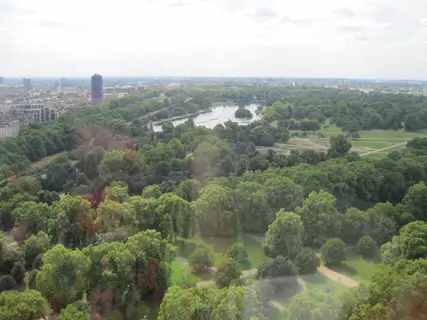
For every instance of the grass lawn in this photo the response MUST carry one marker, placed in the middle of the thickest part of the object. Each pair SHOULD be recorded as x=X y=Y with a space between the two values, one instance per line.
x=181 y=273
x=315 y=283
x=219 y=246
x=255 y=252
x=374 y=144
x=391 y=134
x=358 y=268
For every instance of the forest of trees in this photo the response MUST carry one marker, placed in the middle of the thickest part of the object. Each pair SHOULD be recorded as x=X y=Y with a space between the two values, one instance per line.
x=96 y=229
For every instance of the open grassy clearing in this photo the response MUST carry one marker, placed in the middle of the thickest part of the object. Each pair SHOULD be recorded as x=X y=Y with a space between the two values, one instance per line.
x=358 y=268
x=319 y=283
x=219 y=246
x=182 y=273
x=315 y=283
x=369 y=141
x=255 y=252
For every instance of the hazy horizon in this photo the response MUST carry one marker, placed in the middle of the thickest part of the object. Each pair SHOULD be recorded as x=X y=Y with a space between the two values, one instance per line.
x=353 y=39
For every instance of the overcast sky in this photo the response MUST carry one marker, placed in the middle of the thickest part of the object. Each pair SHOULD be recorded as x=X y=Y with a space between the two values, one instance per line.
x=278 y=38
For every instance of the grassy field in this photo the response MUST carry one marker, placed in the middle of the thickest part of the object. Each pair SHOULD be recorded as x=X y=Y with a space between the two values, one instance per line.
x=254 y=251
x=315 y=283
x=182 y=273
x=358 y=268
x=369 y=141
x=219 y=246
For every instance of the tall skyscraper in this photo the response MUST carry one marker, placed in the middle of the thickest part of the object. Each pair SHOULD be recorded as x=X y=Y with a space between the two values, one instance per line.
x=26 y=82
x=97 y=89
x=1 y=80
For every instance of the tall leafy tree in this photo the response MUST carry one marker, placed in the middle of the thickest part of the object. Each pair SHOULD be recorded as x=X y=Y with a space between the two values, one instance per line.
x=63 y=276
x=27 y=305
x=416 y=201
x=283 y=237
x=181 y=214
x=320 y=218
x=216 y=212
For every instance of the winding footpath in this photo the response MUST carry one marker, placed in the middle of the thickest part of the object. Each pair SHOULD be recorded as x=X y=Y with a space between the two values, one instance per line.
x=245 y=273
x=383 y=149
x=323 y=270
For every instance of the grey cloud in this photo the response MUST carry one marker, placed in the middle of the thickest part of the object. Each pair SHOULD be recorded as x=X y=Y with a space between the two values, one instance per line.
x=263 y=13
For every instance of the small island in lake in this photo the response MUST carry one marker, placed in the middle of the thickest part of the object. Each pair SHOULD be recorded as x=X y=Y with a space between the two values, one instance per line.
x=243 y=113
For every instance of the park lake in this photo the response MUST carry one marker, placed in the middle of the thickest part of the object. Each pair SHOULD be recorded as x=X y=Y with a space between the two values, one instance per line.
x=217 y=115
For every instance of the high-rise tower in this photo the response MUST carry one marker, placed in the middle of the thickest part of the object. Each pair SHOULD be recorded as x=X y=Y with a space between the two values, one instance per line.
x=97 y=90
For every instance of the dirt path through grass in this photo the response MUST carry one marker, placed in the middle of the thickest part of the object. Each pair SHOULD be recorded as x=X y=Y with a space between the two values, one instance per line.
x=314 y=144
x=383 y=149
x=337 y=277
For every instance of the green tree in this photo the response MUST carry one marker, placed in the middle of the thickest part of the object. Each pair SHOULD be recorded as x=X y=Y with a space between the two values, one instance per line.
x=416 y=201
x=7 y=283
x=189 y=190
x=152 y=191
x=112 y=215
x=34 y=216
x=35 y=246
x=333 y=252
x=354 y=225
x=283 y=237
x=282 y=271
x=91 y=165
x=339 y=146
x=18 y=273
x=397 y=293
x=75 y=222
x=228 y=273
x=216 y=212
x=118 y=193
x=314 y=305
x=367 y=247
x=411 y=243
x=180 y=213
x=63 y=276
x=307 y=261
x=75 y=311
x=27 y=305
x=200 y=260
x=253 y=208
x=283 y=193
x=210 y=303
x=237 y=252
x=320 y=218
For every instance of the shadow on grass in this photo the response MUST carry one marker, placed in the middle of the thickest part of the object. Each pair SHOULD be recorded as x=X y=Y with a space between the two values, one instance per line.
x=204 y=275
x=344 y=269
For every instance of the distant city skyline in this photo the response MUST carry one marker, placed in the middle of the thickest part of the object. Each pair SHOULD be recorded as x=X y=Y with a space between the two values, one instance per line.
x=250 y=38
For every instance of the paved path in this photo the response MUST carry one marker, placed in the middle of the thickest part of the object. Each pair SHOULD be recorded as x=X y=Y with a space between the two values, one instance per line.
x=383 y=149
x=245 y=273
x=337 y=277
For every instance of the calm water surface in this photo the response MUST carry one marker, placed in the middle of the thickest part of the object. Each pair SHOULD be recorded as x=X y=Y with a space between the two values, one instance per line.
x=218 y=115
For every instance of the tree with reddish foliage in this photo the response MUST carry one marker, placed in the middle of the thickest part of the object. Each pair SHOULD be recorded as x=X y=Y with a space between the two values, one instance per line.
x=95 y=198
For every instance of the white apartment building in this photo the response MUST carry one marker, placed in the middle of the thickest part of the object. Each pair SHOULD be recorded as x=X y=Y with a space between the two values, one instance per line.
x=9 y=129
x=39 y=113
